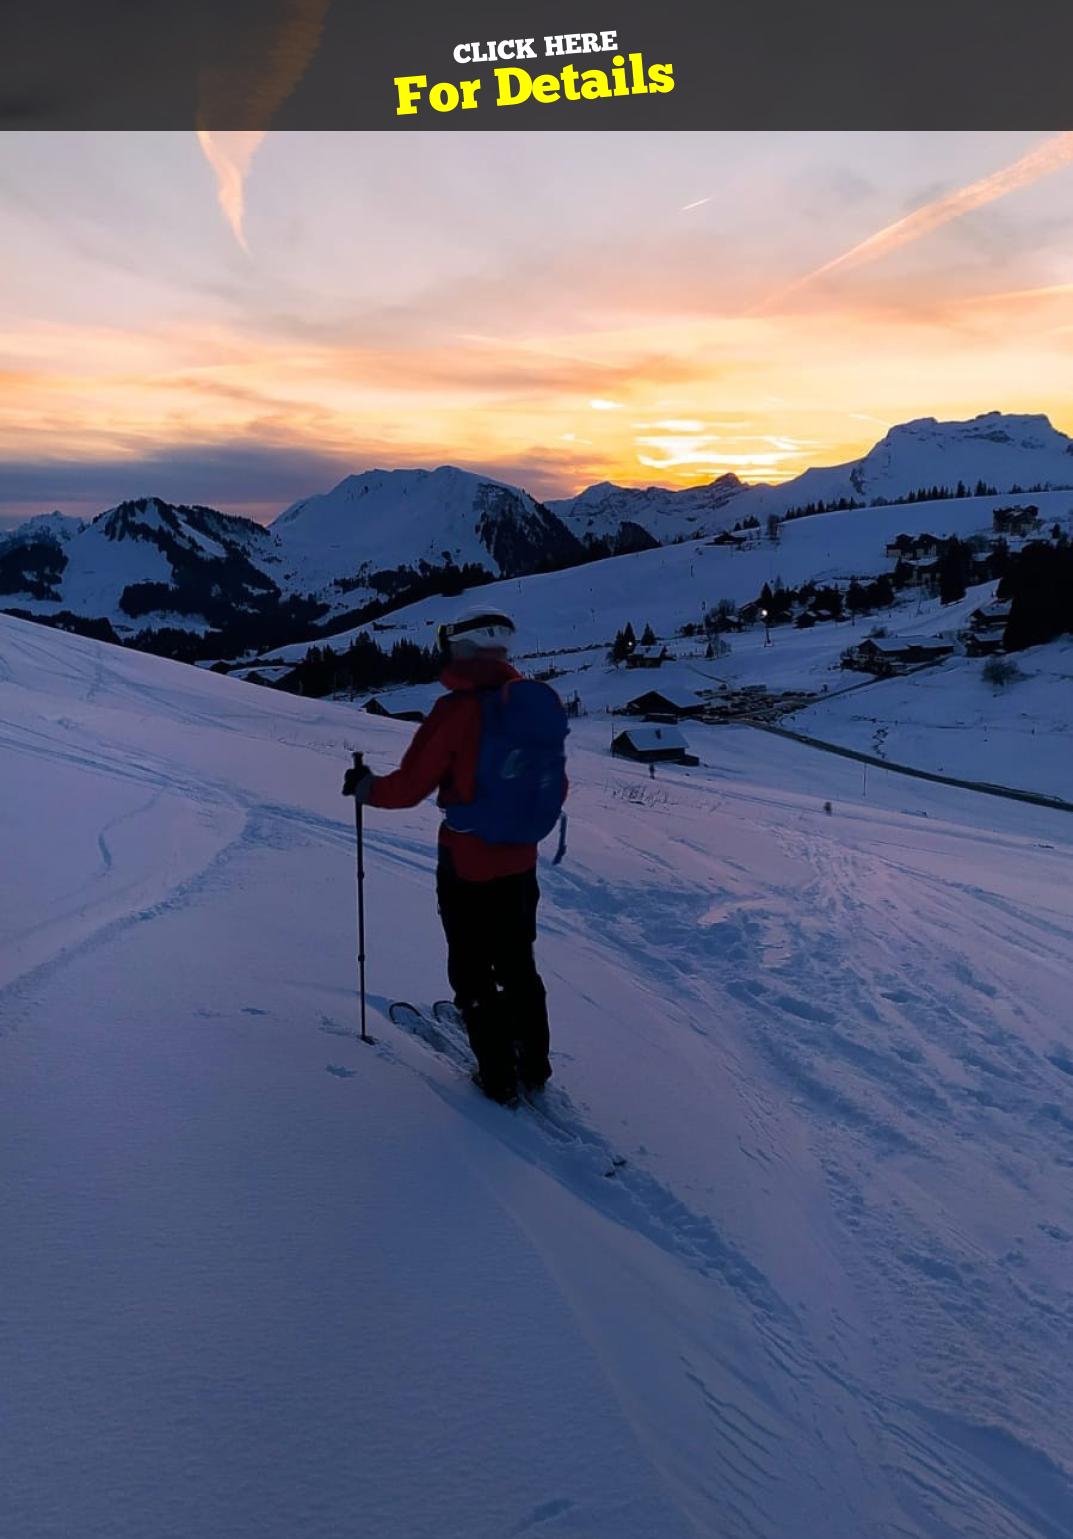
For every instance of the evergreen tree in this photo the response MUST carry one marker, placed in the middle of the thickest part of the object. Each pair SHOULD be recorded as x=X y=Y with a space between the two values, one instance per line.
x=882 y=592
x=1039 y=584
x=954 y=568
x=648 y=639
x=856 y=601
x=622 y=645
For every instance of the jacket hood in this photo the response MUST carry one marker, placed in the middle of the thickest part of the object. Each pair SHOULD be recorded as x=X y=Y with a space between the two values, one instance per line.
x=477 y=673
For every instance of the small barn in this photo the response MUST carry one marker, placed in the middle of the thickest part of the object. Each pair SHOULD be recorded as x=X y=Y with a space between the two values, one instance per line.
x=376 y=708
x=653 y=745
x=665 y=704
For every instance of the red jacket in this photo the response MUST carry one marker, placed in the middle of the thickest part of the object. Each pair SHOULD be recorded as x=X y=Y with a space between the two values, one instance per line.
x=443 y=757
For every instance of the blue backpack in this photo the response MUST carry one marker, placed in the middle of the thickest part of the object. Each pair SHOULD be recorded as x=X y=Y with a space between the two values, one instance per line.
x=521 y=766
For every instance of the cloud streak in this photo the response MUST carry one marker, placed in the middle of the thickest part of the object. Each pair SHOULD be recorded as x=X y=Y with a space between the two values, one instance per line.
x=1055 y=154
x=247 y=83
x=230 y=156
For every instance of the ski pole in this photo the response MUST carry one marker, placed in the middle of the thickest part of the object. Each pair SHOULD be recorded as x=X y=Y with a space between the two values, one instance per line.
x=359 y=765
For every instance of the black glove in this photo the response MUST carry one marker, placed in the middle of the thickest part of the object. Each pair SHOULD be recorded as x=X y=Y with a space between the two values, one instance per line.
x=358 y=783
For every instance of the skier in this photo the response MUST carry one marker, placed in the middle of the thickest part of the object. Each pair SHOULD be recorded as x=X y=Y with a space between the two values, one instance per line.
x=487 y=888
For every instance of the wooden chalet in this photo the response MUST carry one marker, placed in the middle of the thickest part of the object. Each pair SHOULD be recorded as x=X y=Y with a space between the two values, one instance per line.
x=884 y=657
x=375 y=708
x=653 y=745
x=916 y=547
x=647 y=657
x=664 y=705
x=1015 y=521
x=990 y=617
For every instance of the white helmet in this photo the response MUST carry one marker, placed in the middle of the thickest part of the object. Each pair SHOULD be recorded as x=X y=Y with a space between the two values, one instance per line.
x=479 y=629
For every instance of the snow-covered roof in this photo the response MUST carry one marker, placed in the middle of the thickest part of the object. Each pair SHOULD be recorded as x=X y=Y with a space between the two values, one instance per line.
x=648 y=737
x=894 y=648
x=682 y=699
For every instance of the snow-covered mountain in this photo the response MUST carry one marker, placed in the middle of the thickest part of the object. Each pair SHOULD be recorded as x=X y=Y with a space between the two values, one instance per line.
x=388 y=537
x=261 y=1280
x=1002 y=450
x=672 y=585
x=375 y=535
x=625 y=518
x=146 y=562
x=43 y=526
x=372 y=539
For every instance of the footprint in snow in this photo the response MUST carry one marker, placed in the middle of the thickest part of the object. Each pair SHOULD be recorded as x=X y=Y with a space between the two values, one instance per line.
x=543 y=1514
x=339 y=1072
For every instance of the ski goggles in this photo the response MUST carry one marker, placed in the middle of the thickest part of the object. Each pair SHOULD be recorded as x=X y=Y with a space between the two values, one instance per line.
x=490 y=630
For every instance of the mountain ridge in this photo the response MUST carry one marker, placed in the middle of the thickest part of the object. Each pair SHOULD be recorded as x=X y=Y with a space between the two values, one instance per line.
x=381 y=539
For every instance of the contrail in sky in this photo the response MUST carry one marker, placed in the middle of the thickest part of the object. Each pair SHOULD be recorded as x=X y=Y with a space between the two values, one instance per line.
x=229 y=155
x=1053 y=155
x=246 y=83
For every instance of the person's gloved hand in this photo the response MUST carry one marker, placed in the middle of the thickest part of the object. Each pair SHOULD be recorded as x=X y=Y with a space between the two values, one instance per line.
x=358 y=783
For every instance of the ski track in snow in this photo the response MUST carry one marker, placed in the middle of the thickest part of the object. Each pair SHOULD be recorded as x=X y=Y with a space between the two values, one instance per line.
x=878 y=1000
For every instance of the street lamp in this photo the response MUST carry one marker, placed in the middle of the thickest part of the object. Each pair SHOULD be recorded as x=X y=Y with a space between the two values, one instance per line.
x=767 y=627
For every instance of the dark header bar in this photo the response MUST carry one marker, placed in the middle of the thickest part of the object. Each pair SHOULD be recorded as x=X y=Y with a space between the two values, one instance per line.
x=589 y=64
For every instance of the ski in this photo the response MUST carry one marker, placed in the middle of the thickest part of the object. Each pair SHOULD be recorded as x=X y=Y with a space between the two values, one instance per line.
x=442 y=1029
x=419 y=1023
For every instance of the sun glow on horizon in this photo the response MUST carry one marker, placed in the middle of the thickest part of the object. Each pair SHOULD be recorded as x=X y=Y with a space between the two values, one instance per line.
x=514 y=351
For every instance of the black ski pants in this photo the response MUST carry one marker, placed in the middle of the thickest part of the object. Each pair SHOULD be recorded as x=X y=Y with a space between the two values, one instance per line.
x=490 y=929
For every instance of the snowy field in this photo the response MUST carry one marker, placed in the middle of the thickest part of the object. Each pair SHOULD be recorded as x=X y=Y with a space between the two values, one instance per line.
x=945 y=719
x=586 y=605
x=262 y=1281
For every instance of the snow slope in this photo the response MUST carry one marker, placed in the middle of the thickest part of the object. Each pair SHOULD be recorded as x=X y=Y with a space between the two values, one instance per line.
x=1002 y=449
x=374 y=524
x=56 y=526
x=949 y=720
x=665 y=588
x=262 y=1280
x=600 y=511
x=156 y=542
x=378 y=535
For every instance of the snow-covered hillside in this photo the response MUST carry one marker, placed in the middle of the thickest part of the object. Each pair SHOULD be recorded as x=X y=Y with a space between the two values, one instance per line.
x=667 y=587
x=613 y=513
x=146 y=562
x=261 y=1280
x=151 y=563
x=43 y=526
x=388 y=534
x=1002 y=449
x=373 y=534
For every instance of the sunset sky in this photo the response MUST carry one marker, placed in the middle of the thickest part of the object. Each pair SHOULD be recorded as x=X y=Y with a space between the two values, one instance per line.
x=554 y=309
